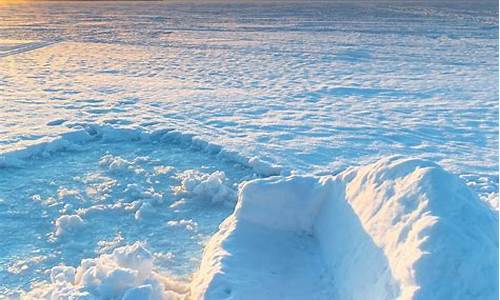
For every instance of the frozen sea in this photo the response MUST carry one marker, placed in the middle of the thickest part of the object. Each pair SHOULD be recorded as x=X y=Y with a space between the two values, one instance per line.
x=298 y=87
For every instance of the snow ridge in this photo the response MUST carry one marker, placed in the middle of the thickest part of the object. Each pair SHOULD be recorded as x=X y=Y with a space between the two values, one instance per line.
x=76 y=140
x=395 y=229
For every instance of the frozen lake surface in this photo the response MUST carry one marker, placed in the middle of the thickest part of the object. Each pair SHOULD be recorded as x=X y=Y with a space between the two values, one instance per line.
x=310 y=87
x=122 y=192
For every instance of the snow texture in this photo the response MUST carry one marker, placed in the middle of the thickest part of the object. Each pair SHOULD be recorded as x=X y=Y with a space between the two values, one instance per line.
x=90 y=196
x=68 y=224
x=210 y=187
x=127 y=273
x=312 y=87
x=140 y=122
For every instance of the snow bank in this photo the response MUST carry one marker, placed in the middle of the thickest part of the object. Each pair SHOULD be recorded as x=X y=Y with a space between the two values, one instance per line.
x=396 y=229
x=126 y=273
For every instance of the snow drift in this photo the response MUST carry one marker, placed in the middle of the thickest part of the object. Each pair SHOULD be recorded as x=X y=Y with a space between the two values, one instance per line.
x=396 y=229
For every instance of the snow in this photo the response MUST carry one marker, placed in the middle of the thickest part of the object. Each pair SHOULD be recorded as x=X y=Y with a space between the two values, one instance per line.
x=301 y=86
x=395 y=229
x=126 y=273
x=116 y=164
x=210 y=187
x=141 y=123
x=68 y=224
x=69 y=206
x=187 y=224
x=12 y=46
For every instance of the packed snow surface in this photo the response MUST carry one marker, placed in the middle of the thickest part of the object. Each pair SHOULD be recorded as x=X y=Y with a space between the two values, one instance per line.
x=127 y=129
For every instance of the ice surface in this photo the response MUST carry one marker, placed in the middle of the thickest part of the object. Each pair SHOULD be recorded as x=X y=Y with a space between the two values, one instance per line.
x=74 y=200
x=142 y=119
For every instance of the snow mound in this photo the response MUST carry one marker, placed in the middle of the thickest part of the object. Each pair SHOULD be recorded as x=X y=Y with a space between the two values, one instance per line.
x=211 y=187
x=126 y=273
x=395 y=229
x=66 y=224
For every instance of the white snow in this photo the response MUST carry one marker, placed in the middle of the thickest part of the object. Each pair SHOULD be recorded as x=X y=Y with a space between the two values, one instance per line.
x=68 y=224
x=312 y=87
x=126 y=273
x=116 y=164
x=134 y=122
x=187 y=224
x=395 y=229
x=205 y=187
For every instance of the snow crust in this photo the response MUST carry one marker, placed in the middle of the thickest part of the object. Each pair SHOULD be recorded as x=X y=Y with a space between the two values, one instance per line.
x=395 y=229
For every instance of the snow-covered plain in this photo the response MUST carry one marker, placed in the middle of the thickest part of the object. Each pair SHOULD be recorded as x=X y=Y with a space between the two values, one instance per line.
x=126 y=128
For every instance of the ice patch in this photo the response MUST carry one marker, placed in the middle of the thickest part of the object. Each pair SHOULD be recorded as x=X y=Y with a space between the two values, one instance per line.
x=72 y=205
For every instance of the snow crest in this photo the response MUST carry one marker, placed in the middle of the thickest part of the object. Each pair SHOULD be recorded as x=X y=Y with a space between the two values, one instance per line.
x=395 y=229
